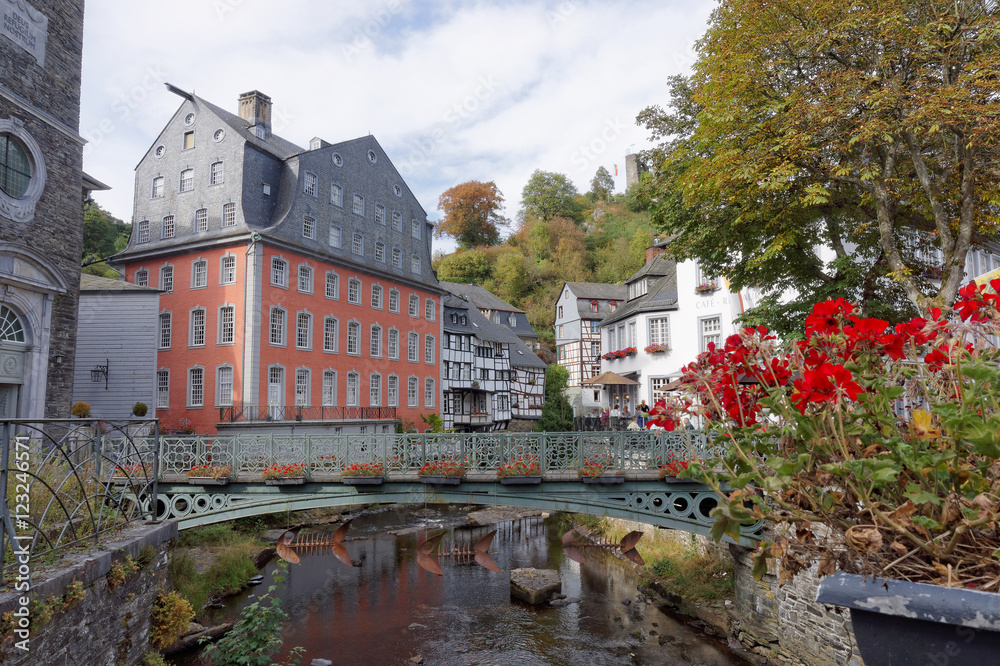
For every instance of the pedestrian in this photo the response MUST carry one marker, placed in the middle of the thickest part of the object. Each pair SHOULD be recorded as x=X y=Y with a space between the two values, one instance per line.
x=687 y=424
x=616 y=411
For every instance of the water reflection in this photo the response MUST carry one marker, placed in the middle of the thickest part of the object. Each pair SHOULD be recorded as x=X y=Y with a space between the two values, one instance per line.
x=385 y=609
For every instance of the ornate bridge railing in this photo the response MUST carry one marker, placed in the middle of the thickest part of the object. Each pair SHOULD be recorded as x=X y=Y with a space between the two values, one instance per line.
x=249 y=455
x=64 y=482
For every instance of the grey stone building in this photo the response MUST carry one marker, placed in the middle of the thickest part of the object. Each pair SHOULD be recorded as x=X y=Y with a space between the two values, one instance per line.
x=41 y=204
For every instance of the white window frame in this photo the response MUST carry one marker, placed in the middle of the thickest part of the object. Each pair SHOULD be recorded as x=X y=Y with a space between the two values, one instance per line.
x=429 y=392
x=163 y=388
x=337 y=195
x=228 y=214
x=227 y=274
x=191 y=396
x=413 y=347
x=397 y=221
x=354 y=338
x=335 y=238
x=412 y=388
x=309 y=183
x=201 y=220
x=358 y=205
x=376 y=297
x=394 y=300
x=221 y=399
x=143 y=233
x=392 y=391
x=168 y=229
x=329 y=396
x=157 y=190
x=279 y=272
x=221 y=330
x=393 y=344
x=354 y=291
x=429 y=309
x=353 y=392
x=277 y=325
x=716 y=335
x=429 y=349
x=186 y=181
x=308 y=227
x=380 y=251
x=197 y=330
x=199 y=281
x=414 y=306
x=375 y=389
x=305 y=279
x=303 y=329
x=167 y=278
x=164 y=333
x=303 y=382
x=216 y=176
x=415 y=228
x=380 y=214
x=375 y=341
x=142 y=277
x=658 y=330
x=415 y=263
x=331 y=329
x=358 y=244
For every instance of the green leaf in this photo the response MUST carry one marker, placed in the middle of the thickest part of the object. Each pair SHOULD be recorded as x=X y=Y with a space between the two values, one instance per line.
x=919 y=496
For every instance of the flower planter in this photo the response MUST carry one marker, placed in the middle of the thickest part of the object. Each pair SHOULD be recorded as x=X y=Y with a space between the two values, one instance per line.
x=119 y=480
x=289 y=481
x=916 y=623
x=208 y=481
x=520 y=480
x=362 y=480
x=440 y=480
x=674 y=479
x=603 y=479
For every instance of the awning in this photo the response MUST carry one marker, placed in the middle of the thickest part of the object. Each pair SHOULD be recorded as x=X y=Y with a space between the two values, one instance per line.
x=610 y=378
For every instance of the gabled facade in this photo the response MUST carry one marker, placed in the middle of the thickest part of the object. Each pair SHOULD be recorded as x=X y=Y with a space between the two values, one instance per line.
x=476 y=371
x=671 y=312
x=527 y=387
x=297 y=281
x=579 y=310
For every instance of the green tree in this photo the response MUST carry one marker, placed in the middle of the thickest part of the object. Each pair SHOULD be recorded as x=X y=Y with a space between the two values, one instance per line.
x=472 y=214
x=602 y=186
x=557 y=413
x=469 y=267
x=864 y=128
x=547 y=195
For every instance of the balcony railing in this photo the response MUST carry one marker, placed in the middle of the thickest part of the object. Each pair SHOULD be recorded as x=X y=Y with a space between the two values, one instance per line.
x=472 y=419
x=259 y=414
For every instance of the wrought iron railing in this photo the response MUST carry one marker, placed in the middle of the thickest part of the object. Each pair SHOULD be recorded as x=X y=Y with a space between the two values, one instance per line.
x=64 y=482
x=248 y=455
x=260 y=414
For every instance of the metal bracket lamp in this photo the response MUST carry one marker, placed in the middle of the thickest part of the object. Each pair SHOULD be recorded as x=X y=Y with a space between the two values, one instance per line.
x=100 y=371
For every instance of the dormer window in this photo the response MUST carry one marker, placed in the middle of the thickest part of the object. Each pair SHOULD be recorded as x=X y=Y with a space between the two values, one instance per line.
x=637 y=289
x=593 y=306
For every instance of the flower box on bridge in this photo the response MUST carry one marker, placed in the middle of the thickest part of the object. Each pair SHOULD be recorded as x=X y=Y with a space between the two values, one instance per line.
x=286 y=481
x=208 y=481
x=362 y=480
x=604 y=479
x=521 y=480
x=440 y=480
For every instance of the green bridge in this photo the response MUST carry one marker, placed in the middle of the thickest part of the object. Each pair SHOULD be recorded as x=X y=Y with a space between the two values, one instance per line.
x=90 y=478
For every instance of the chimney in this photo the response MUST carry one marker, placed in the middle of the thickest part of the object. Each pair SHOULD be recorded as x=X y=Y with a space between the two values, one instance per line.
x=255 y=108
x=655 y=250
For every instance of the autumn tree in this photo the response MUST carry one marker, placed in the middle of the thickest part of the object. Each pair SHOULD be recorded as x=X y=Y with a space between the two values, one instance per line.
x=547 y=195
x=868 y=128
x=472 y=214
x=602 y=186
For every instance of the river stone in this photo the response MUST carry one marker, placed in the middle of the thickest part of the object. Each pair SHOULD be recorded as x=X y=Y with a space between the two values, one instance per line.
x=321 y=662
x=533 y=586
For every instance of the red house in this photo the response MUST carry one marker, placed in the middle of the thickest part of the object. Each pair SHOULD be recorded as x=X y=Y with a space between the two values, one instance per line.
x=298 y=282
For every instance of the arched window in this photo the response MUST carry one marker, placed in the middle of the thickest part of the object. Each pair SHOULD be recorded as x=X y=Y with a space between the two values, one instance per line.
x=11 y=329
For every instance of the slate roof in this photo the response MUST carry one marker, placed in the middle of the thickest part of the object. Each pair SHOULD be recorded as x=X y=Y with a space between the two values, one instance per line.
x=479 y=297
x=98 y=283
x=484 y=329
x=662 y=294
x=275 y=145
x=486 y=300
x=598 y=290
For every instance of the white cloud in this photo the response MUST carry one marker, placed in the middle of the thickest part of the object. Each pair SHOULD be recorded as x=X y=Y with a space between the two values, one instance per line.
x=453 y=91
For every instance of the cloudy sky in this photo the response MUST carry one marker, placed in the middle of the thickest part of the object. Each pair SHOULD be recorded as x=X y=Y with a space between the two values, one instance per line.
x=454 y=91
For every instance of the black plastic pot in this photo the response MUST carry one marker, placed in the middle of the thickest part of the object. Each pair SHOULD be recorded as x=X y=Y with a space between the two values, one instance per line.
x=897 y=622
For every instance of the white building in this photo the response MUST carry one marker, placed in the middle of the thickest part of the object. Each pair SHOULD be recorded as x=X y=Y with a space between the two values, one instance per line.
x=671 y=312
x=579 y=311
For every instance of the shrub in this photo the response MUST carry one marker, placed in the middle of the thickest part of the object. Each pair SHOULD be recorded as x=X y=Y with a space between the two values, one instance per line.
x=120 y=571
x=74 y=593
x=171 y=614
x=139 y=409
x=80 y=410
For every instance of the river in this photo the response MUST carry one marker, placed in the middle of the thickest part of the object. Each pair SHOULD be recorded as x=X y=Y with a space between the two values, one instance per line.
x=387 y=610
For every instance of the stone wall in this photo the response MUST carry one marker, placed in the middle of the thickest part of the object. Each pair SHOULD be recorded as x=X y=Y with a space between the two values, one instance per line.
x=786 y=623
x=109 y=624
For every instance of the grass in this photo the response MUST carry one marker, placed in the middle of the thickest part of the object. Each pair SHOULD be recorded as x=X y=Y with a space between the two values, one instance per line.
x=234 y=553
x=678 y=562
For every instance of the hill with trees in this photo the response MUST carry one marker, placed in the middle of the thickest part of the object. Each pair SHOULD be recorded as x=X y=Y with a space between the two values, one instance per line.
x=103 y=236
x=560 y=236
